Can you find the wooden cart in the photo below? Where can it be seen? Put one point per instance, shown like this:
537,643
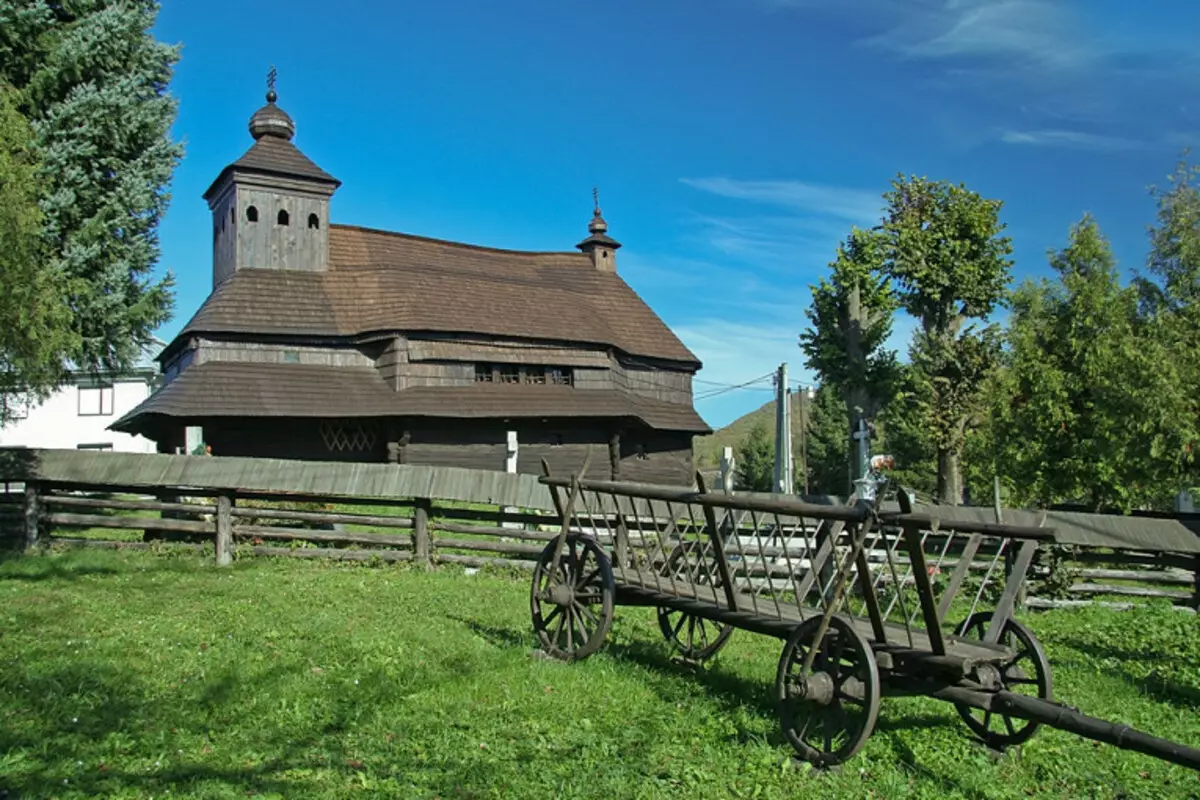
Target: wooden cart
861,598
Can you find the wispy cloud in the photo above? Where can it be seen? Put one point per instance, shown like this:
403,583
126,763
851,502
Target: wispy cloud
1075,139
1171,141
854,205
785,227
1037,72
1024,33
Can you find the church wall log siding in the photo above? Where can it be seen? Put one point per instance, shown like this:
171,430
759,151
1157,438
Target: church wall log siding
656,457
295,439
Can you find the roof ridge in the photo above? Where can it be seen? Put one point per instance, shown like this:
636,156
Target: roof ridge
464,245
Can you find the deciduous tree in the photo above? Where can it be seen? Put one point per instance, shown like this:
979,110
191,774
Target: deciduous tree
949,262
851,316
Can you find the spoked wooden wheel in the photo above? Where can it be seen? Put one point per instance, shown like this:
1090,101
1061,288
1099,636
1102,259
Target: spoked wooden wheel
1027,672
573,607
829,710
696,638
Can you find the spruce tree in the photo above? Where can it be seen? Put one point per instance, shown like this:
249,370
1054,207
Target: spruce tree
754,467
35,321
91,80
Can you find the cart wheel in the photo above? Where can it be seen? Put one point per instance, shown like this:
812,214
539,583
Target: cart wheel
828,712
573,609
1028,673
696,638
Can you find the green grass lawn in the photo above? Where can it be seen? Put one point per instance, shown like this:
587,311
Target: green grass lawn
149,675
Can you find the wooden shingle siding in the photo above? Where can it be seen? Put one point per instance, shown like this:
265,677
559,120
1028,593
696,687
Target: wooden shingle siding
587,378
427,373
512,352
392,363
263,353
666,385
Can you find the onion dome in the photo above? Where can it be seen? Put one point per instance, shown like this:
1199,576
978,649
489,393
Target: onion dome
271,120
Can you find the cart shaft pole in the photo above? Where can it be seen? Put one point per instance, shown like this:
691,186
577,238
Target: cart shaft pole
1067,719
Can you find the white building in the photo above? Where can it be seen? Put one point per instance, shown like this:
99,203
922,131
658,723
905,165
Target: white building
78,414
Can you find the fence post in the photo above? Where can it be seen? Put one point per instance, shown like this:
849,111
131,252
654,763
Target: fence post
513,447
421,542
1196,581
224,530
33,517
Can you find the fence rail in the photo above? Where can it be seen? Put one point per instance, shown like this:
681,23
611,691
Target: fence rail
449,516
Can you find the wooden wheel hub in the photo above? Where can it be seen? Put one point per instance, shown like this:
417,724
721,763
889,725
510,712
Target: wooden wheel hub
816,688
561,595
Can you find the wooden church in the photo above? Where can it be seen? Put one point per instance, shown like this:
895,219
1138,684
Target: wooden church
337,342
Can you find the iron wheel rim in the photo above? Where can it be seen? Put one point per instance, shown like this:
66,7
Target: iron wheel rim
843,654
578,628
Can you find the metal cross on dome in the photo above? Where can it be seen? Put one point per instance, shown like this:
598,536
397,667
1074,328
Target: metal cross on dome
271,76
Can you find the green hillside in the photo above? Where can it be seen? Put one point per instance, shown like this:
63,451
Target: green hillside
707,449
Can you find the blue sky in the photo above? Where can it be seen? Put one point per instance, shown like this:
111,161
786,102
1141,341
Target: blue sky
734,142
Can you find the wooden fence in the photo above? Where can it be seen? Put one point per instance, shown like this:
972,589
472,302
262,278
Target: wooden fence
427,515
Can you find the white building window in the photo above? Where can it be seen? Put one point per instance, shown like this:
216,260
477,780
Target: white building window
95,401
107,446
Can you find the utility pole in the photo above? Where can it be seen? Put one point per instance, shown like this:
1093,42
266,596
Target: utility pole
784,474
806,395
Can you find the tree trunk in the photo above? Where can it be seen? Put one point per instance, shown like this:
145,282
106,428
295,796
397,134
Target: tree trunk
949,480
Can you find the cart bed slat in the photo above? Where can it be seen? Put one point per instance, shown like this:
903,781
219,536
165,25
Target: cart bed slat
652,589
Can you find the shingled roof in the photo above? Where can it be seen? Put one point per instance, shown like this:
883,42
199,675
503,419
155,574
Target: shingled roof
272,155
232,389
379,281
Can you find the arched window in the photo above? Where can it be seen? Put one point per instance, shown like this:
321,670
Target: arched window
251,214
313,221
282,219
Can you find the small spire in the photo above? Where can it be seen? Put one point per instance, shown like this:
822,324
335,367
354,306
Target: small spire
597,225
599,245
271,76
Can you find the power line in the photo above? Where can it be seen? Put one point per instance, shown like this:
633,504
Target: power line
729,388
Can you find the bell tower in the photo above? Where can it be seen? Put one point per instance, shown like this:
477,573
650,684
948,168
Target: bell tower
599,245
270,208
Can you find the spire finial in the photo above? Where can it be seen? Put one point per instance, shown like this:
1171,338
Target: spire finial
271,76
597,225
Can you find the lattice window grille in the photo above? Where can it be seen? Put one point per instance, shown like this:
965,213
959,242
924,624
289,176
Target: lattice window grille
343,436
